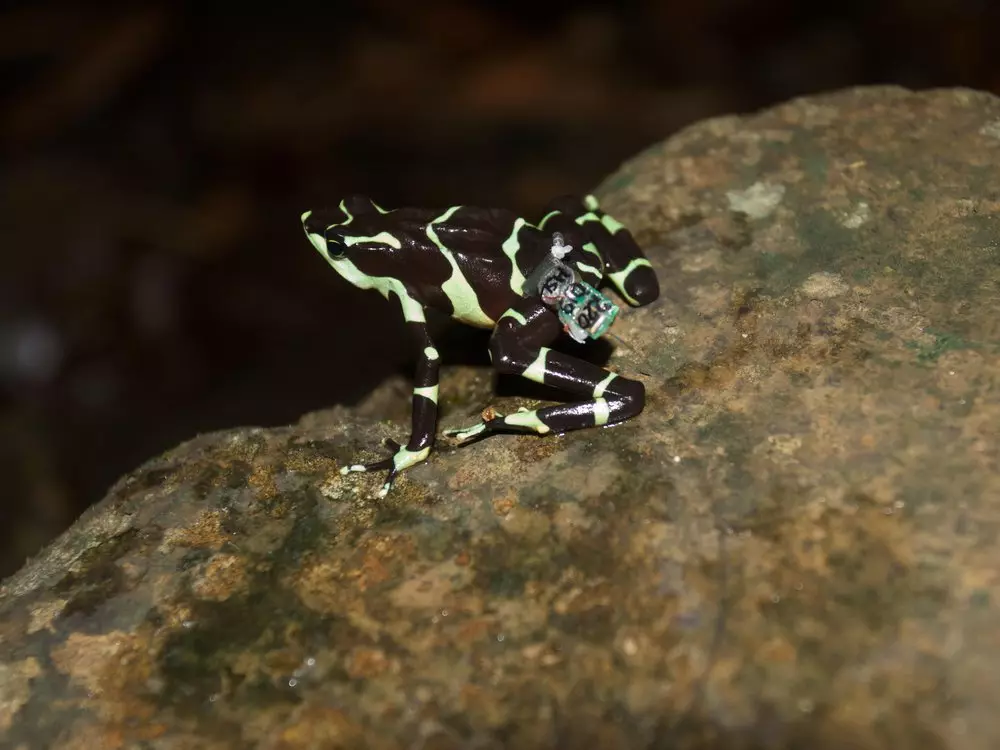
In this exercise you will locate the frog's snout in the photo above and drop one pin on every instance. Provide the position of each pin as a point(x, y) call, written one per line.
point(323, 236)
point(314, 232)
point(311, 224)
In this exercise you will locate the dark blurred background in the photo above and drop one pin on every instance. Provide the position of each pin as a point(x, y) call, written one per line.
point(156, 158)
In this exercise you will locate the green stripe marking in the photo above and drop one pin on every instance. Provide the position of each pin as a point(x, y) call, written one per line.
point(510, 247)
point(601, 412)
point(413, 311)
point(591, 248)
point(536, 370)
point(350, 217)
point(457, 288)
point(611, 224)
point(512, 313)
point(527, 419)
point(618, 278)
point(429, 392)
point(603, 385)
point(545, 219)
point(382, 238)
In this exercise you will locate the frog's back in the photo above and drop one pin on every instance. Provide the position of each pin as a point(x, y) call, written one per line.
point(466, 261)
point(465, 232)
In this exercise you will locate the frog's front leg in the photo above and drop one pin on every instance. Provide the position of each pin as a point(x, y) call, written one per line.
point(609, 243)
point(517, 347)
point(424, 412)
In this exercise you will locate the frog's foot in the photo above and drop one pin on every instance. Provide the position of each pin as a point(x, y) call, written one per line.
point(523, 420)
point(401, 458)
point(465, 434)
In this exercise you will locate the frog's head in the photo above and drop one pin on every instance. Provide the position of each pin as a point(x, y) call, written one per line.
point(324, 228)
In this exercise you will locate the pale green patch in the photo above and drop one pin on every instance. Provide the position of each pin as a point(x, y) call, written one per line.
point(413, 312)
point(549, 215)
point(465, 433)
point(601, 412)
point(319, 242)
point(306, 215)
point(611, 223)
point(603, 385)
point(527, 419)
point(404, 458)
point(510, 247)
point(591, 203)
point(618, 277)
point(512, 313)
point(429, 392)
point(591, 248)
point(350, 216)
point(457, 288)
point(382, 238)
point(536, 370)
point(431, 353)
point(589, 269)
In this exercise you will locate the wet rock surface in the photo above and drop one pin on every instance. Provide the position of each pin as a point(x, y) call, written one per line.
point(793, 546)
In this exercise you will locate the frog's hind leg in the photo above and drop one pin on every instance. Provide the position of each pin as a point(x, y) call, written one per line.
point(517, 348)
point(424, 414)
point(610, 244)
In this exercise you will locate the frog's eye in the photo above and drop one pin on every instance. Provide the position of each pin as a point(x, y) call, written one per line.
point(335, 246)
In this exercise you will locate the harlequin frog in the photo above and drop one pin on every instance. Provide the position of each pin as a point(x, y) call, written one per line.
point(493, 269)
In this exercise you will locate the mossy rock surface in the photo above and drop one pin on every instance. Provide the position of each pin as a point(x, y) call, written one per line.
point(795, 544)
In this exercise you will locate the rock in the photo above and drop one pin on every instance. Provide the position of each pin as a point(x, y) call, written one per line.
point(793, 546)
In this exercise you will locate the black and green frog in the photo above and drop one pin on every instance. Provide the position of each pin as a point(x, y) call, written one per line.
point(492, 269)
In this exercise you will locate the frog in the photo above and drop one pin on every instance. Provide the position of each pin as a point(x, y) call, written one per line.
point(490, 268)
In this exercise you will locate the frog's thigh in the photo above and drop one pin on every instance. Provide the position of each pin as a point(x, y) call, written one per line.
point(516, 350)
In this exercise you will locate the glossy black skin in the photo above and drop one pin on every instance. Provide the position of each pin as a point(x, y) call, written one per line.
point(474, 237)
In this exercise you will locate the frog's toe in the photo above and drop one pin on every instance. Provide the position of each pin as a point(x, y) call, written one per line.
point(465, 434)
point(380, 465)
point(401, 458)
point(385, 463)
point(489, 420)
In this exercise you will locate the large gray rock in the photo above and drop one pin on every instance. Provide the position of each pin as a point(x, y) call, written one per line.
point(795, 545)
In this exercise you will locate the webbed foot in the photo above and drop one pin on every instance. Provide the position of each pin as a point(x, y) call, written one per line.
point(465, 434)
point(401, 458)
point(488, 417)
point(523, 420)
